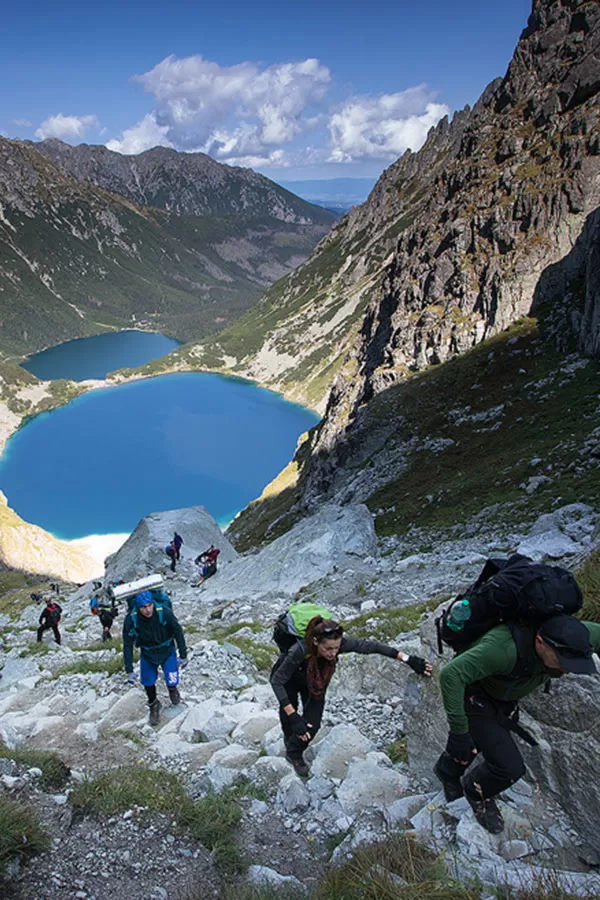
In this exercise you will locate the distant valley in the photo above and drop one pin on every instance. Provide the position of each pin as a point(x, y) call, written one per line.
point(92, 241)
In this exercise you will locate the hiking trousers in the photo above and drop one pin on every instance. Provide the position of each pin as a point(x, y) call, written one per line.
point(489, 726)
point(46, 626)
point(312, 711)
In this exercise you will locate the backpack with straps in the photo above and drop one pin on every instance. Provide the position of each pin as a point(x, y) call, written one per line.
point(134, 631)
point(290, 626)
point(514, 590)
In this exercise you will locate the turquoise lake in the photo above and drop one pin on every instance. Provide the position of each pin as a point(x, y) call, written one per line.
point(114, 455)
point(95, 357)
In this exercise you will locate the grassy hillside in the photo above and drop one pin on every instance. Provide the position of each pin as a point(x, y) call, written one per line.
point(462, 439)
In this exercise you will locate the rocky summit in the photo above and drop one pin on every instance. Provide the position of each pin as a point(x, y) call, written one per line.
point(77, 750)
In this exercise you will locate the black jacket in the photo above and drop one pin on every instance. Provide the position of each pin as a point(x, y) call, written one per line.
point(155, 640)
point(51, 614)
point(292, 666)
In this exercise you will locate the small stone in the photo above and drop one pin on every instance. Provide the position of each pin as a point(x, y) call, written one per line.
point(128, 814)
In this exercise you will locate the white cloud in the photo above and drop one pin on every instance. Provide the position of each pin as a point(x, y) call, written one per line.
point(22, 123)
point(232, 112)
point(383, 127)
point(143, 136)
point(66, 127)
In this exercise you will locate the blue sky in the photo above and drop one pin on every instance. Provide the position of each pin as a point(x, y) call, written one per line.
point(317, 90)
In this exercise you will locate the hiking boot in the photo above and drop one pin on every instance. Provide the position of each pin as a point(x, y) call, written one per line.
point(485, 810)
point(453, 789)
point(154, 708)
point(175, 696)
point(300, 767)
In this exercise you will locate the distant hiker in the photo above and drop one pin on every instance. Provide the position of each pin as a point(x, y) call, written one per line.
point(207, 563)
point(305, 672)
point(481, 688)
point(171, 552)
point(106, 612)
point(155, 630)
point(50, 618)
point(177, 542)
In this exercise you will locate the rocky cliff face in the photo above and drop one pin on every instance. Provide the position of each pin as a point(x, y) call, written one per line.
point(452, 244)
point(78, 257)
point(512, 199)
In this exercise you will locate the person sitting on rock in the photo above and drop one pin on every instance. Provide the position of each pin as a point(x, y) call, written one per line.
point(155, 630)
point(481, 692)
point(305, 672)
point(208, 564)
point(50, 618)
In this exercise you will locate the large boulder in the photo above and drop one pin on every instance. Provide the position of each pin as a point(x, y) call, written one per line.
point(333, 754)
point(335, 537)
point(144, 550)
point(368, 785)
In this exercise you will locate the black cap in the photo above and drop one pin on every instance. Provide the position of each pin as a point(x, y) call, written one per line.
point(570, 640)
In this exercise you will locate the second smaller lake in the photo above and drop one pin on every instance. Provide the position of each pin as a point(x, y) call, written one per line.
point(95, 357)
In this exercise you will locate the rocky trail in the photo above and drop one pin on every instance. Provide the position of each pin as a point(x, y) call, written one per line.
point(370, 766)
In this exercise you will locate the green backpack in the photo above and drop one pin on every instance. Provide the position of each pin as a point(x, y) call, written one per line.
point(290, 626)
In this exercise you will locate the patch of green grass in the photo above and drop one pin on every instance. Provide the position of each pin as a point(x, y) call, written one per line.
point(21, 834)
point(546, 886)
point(211, 820)
point(386, 624)
point(111, 666)
point(398, 750)
point(36, 649)
point(588, 578)
point(249, 892)
point(542, 412)
point(248, 790)
point(118, 790)
point(397, 868)
point(221, 632)
point(262, 655)
point(55, 773)
point(125, 734)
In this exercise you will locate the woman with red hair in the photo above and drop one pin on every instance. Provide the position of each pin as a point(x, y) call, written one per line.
point(305, 671)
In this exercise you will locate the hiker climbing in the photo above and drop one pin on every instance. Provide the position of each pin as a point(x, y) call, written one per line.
point(155, 630)
point(177, 543)
point(50, 618)
point(305, 670)
point(513, 633)
point(207, 563)
point(107, 612)
point(171, 552)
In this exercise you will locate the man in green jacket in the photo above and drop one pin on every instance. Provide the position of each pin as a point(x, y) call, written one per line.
point(155, 630)
point(481, 688)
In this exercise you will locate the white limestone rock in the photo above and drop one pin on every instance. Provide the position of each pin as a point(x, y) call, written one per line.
point(333, 537)
point(368, 785)
point(234, 756)
point(332, 755)
point(264, 877)
point(144, 550)
point(254, 730)
point(293, 795)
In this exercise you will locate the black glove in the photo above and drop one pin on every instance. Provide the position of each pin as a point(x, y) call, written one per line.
point(460, 746)
point(297, 724)
point(417, 664)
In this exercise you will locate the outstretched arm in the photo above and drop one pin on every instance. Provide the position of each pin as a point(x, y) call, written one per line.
point(361, 645)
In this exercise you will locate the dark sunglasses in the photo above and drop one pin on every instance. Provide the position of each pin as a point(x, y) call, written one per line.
point(335, 630)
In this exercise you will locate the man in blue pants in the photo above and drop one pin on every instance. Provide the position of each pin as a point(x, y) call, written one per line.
point(155, 630)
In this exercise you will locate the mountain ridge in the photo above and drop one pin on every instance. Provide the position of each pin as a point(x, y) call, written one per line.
point(78, 258)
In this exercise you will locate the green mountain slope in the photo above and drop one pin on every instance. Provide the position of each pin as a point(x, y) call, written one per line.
point(76, 259)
